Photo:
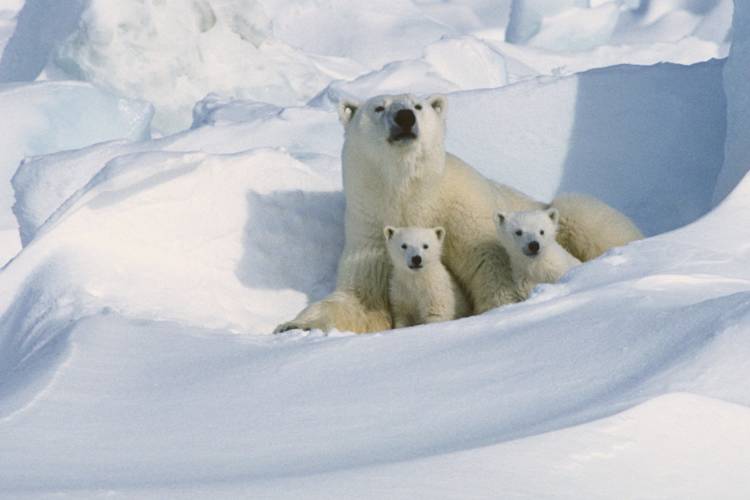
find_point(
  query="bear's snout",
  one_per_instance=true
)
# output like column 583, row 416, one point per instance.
column 404, row 127
column 533, row 248
column 416, row 262
column 405, row 119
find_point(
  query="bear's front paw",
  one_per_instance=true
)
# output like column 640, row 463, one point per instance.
column 288, row 326
column 304, row 324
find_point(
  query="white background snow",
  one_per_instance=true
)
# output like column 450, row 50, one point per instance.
column 170, row 191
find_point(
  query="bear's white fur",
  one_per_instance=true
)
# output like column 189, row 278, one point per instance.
column 396, row 172
column 421, row 290
column 535, row 256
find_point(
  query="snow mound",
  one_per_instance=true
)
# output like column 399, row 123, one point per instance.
column 119, row 232
column 222, row 126
column 138, row 50
column 49, row 117
column 449, row 65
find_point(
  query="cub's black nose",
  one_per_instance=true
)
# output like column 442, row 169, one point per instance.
column 416, row 260
column 534, row 247
column 405, row 119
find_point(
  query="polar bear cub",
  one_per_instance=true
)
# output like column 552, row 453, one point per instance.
column 535, row 255
column 421, row 289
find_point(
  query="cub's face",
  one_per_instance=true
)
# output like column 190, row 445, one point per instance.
column 397, row 123
column 414, row 248
column 527, row 233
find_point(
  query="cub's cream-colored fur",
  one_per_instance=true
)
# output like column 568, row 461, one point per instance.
column 421, row 290
column 535, row 256
column 396, row 172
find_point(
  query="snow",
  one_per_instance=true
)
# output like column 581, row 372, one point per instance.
column 117, row 43
column 736, row 74
column 576, row 25
column 54, row 116
column 35, row 28
column 135, row 355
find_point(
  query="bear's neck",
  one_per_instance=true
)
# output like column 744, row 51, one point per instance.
column 432, row 275
column 396, row 188
column 540, row 269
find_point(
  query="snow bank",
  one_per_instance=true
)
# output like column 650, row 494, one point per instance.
column 736, row 76
column 49, row 117
column 223, row 126
column 193, row 238
column 648, row 140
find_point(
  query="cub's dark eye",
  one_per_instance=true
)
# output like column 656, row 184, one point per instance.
column 541, row 231
column 425, row 246
column 379, row 109
column 403, row 246
column 519, row 232
column 418, row 107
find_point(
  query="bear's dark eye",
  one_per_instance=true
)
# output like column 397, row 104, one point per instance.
column 425, row 246
column 418, row 107
column 379, row 109
column 403, row 246
column 519, row 232
column 541, row 231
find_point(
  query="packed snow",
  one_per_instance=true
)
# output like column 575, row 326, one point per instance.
column 145, row 275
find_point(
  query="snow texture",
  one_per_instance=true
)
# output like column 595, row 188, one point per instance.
column 135, row 359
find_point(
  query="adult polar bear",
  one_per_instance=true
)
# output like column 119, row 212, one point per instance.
column 396, row 172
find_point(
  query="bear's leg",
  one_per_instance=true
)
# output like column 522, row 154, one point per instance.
column 589, row 227
column 359, row 303
column 342, row 311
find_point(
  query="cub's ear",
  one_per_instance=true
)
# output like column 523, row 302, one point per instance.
column 389, row 231
column 439, row 232
column 439, row 103
column 554, row 215
column 500, row 218
column 347, row 108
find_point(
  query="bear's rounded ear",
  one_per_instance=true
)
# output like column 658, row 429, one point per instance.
column 389, row 231
column 439, row 103
column 554, row 215
column 347, row 108
column 439, row 232
column 500, row 218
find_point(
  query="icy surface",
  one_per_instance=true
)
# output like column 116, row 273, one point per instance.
column 135, row 359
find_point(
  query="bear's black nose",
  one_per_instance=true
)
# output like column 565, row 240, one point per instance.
column 534, row 247
column 416, row 260
column 405, row 119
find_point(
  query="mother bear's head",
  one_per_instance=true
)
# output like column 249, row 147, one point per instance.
column 397, row 136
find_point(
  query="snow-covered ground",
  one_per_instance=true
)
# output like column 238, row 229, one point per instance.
column 135, row 359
